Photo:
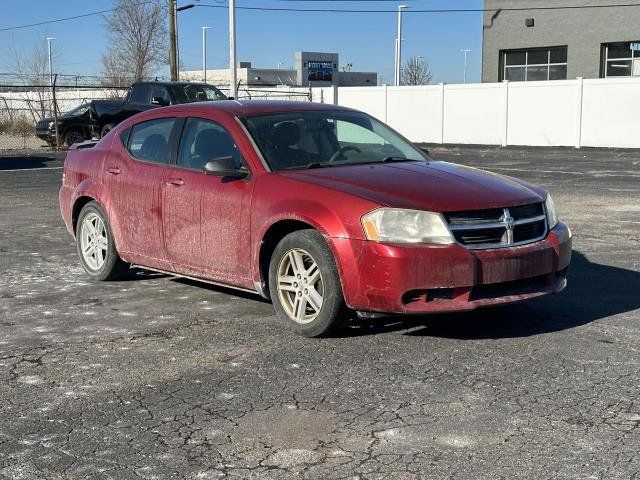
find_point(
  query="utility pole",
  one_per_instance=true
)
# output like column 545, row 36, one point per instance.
column 399, row 45
column 233, row 91
column 465, row 51
column 173, row 56
column 49, row 40
column 204, row 53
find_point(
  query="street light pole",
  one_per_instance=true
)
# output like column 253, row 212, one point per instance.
column 465, row 51
column 399, row 44
column 49, row 40
column 233, row 91
column 173, row 71
column 204, row 53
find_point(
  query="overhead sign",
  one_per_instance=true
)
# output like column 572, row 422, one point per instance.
column 320, row 71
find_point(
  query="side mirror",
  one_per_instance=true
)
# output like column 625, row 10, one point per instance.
column 224, row 167
column 158, row 101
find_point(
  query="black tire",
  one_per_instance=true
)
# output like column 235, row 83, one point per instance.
column 106, row 129
column 332, row 314
column 113, row 267
column 73, row 135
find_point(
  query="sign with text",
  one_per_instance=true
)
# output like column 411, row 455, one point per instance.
column 320, row 71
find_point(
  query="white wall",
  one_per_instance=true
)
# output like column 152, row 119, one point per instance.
column 590, row 113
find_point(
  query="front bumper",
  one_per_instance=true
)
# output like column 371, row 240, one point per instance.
column 435, row 278
column 46, row 135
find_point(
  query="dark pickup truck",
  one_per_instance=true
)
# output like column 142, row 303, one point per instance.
column 97, row 117
column 105, row 114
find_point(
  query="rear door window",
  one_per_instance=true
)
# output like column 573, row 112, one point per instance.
column 150, row 140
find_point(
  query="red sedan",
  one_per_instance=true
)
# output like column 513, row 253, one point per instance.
column 321, row 208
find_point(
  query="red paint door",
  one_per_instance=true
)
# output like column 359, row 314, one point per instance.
column 134, row 173
column 205, row 217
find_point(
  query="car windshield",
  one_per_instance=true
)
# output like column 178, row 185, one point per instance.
column 79, row 110
column 295, row 140
column 198, row 93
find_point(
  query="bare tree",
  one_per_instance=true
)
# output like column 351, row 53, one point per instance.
column 416, row 72
column 31, row 70
column 137, row 41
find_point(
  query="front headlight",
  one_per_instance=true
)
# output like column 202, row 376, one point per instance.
column 550, row 208
column 396, row 225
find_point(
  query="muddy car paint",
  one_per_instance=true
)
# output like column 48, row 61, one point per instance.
column 223, row 229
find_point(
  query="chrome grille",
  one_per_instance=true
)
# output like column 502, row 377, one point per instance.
column 498, row 227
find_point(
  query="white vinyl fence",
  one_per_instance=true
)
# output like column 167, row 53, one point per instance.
column 576, row 113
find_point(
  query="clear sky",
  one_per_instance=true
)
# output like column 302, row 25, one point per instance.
column 266, row 38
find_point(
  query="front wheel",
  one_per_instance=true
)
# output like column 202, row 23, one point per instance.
column 95, row 244
column 305, row 286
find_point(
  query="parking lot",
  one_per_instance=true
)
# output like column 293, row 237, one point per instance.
column 155, row 377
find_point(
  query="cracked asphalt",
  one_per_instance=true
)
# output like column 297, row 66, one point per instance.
column 160, row 378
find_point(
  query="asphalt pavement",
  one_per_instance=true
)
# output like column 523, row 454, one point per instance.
column 158, row 378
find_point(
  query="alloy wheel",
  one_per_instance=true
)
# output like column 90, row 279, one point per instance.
column 300, row 286
column 93, row 241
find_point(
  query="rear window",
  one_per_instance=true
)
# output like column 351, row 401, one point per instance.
column 139, row 94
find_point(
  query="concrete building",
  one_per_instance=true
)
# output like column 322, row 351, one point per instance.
column 556, row 44
column 310, row 68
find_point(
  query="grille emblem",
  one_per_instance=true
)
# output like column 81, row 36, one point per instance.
column 509, row 223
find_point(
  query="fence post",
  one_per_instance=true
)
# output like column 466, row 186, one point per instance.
column 55, row 110
column 335, row 94
column 579, row 112
column 506, row 113
column 442, row 113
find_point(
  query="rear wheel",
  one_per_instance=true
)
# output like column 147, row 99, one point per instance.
column 305, row 286
column 106, row 129
column 95, row 245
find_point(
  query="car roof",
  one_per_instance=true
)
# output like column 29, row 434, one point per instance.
column 172, row 84
column 244, row 108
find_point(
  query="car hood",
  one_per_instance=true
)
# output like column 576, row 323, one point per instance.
column 435, row 186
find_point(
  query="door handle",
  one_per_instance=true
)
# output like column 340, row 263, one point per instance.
column 113, row 170
column 176, row 182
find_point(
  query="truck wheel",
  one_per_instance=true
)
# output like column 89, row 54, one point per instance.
column 305, row 286
column 73, row 136
column 106, row 129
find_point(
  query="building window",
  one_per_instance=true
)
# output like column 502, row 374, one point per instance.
column 527, row 65
column 621, row 59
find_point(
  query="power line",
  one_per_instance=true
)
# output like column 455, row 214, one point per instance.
column 339, row 10
column 414, row 10
column 57, row 20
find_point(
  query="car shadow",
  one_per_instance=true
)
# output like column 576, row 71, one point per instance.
column 222, row 289
column 26, row 162
column 594, row 291
column 139, row 274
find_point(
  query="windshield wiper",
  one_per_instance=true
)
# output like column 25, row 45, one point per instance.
column 396, row 159
column 316, row 165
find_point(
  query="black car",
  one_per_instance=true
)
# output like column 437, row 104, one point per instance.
column 74, row 126
column 105, row 114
